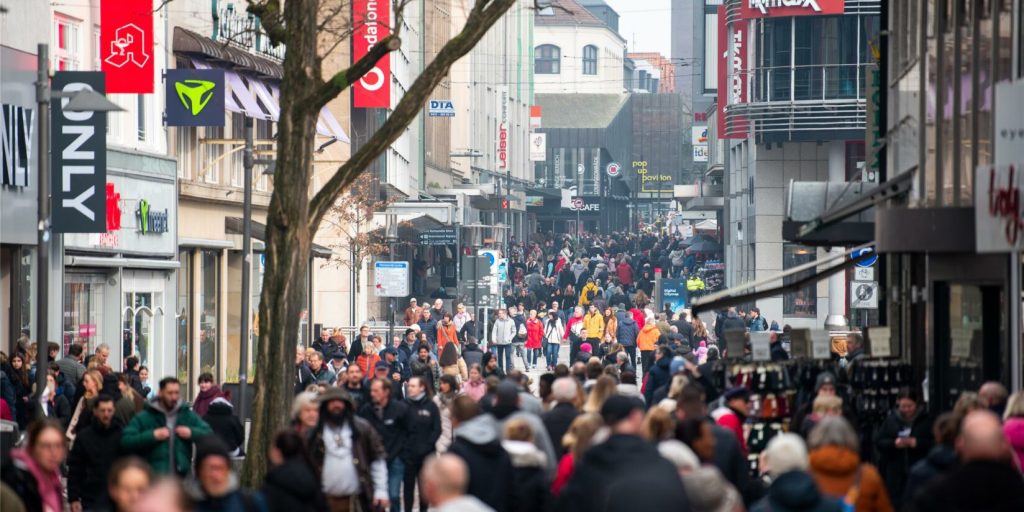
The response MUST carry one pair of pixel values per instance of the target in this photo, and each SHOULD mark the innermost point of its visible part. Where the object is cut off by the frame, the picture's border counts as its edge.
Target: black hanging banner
(78, 174)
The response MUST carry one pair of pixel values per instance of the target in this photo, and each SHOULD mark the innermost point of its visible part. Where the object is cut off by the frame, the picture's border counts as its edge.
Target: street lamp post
(392, 237)
(248, 161)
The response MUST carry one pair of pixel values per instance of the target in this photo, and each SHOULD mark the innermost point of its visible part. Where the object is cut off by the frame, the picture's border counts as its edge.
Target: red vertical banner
(126, 45)
(371, 20)
(732, 73)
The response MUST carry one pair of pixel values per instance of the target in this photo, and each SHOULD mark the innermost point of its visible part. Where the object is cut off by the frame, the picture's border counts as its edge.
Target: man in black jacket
(390, 418)
(303, 377)
(424, 430)
(610, 473)
(356, 385)
(475, 440)
(660, 374)
(557, 420)
(95, 448)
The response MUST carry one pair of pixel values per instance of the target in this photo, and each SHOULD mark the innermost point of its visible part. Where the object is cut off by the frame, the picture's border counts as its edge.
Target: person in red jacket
(734, 413)
(625, 273)
(534, 336)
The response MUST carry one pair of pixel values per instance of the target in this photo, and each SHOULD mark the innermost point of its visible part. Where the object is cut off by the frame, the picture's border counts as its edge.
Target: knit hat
(210, 446)
(677, 364)
(824, 378)
(618, 408)
(585, 347)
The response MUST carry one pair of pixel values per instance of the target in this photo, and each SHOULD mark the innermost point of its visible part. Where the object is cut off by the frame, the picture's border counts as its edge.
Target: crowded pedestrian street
(511, 256)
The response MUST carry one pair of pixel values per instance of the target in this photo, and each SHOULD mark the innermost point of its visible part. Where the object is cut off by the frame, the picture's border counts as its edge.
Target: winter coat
(138, 437)
(553, 330)
(939, 461)
(303, 378)
(573, 327)
(977, 485)
(429, 370)
(446, 334)
(627, 331)
(531, 492)
(96, 447)
(534, 333)
(412, 315)
(638, 317)
(835, 469)
(625, 273)
(729, 419)
(1013, 428)
(59, 409)
(611, 327)
(588, 293)
(392, 425)
(795, 491)
(491, 476)
(429, 326)
(894, 463)
(424, 429)
(225, 424)
(648, 338)
(557, 422)
(472, 354)
(594, 324)
(610, 473)
(327, 376)
(367, 448)
(659, 376)
(205, 398)
(442, 403)
(17, 474)
(475, 390)
(367, 362)
(503, 331)
(293, 487)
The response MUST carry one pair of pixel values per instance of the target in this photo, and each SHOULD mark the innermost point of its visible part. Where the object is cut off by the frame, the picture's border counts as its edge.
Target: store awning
(251, 96)
(830, 214)
(235, 225)
(754, 290)
(409, 229)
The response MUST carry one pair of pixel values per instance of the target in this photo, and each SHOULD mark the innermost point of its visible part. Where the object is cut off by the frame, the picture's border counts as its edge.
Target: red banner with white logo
(371, 19)
(126, 45)
(750, 9)
(732, 74)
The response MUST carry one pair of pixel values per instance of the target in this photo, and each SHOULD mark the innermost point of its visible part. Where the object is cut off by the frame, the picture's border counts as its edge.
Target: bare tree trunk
(293, 218)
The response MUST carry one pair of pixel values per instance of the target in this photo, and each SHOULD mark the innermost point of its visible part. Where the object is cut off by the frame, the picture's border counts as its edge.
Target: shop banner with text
(732, 74)
(78, 179)
(126, 45)
(750, 9)
(371, 20)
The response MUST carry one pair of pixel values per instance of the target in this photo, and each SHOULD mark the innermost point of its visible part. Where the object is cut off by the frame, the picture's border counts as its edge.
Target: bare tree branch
(344, 79)
(269, 13)
(483, 15)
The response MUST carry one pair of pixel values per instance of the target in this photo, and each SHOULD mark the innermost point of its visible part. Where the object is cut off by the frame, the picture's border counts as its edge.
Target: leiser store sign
(750, 9)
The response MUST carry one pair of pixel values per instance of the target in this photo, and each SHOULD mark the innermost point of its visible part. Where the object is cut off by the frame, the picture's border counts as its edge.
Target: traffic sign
(867, 262)
(440, 236)
(864, 295)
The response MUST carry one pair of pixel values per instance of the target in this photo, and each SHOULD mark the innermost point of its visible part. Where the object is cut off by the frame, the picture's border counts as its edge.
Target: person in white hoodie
(445, 478)
(503, 334)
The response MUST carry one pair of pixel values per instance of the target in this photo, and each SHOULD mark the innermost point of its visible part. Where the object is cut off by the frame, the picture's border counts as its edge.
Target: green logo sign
(198, 93)
(195, 97)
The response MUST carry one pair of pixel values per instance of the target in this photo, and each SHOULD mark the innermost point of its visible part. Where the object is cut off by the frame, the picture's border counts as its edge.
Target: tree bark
(293, 219)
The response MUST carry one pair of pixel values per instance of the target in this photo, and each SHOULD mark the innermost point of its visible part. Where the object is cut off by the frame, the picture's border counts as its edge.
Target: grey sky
(647, 23)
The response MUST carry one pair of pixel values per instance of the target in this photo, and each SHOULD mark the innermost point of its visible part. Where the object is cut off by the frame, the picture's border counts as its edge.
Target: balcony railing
(240, 29)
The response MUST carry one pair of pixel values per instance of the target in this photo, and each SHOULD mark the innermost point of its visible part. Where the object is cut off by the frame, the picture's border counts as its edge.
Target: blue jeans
(396, 473)
(532, 354)
(551, 355)
(504, 353)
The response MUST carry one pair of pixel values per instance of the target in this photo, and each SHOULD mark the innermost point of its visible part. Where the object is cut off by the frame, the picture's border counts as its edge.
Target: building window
(67, 43)
(83, 309)
(236, 160)
(209, 311)
(548, 60)
(184, 312)
(590, 60)
(804, 302)
(210, 154)
(141, 117)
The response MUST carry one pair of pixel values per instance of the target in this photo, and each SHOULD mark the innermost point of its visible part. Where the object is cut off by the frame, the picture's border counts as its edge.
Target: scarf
(47, 483)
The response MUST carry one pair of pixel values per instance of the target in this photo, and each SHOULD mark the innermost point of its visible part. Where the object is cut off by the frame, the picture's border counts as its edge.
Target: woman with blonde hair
(602, 390)
(658, 425)
(582, 434)
(700, 331)
(92, 382)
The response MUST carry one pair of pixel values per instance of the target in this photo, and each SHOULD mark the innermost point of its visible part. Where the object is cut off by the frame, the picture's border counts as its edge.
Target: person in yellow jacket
(593, 322)
(695, 284)
(647, 342)
(589, 293)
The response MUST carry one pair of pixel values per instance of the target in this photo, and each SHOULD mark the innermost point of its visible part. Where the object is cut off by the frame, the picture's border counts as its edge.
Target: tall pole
(243, 353)
(579, 193)
(43, 227)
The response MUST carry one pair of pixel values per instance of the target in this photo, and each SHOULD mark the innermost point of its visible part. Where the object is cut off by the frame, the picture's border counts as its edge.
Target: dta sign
(79, 154)
(441, 108)
(372, 20)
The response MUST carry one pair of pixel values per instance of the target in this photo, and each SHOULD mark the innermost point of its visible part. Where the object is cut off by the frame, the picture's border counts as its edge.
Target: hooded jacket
(627, 331)
(528, 465)
(594, 324)
(491, 475)
(503, 331)
(835, 469)
(648, 338)
(795, 491)
(610, 473)
(659, 376)
(220, 416)
(588, 293)
(534, 333)
(939, 461)
(172, 455)
(205, 398)
(96, 447)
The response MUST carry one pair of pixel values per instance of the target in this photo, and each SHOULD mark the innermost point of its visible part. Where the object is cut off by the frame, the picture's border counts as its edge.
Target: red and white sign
(86, 330)
(126, 45)
(372, 19)
(503, 128)
(750, 9)
(732, 76)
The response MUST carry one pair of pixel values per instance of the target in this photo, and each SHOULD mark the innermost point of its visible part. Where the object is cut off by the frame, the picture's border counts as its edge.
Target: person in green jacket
(163, 432)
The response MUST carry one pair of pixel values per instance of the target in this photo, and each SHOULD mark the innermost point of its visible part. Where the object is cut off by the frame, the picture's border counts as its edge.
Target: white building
(576, 52)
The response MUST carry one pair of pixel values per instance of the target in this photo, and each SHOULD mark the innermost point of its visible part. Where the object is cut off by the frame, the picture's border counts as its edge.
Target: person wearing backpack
(838, 470)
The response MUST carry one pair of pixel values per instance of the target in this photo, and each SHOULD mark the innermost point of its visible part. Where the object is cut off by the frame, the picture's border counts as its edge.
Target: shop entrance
(142, 314)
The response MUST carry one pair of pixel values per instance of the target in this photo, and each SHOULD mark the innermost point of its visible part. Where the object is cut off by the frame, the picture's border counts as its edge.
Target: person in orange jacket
(647, 342)
(368, 360)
